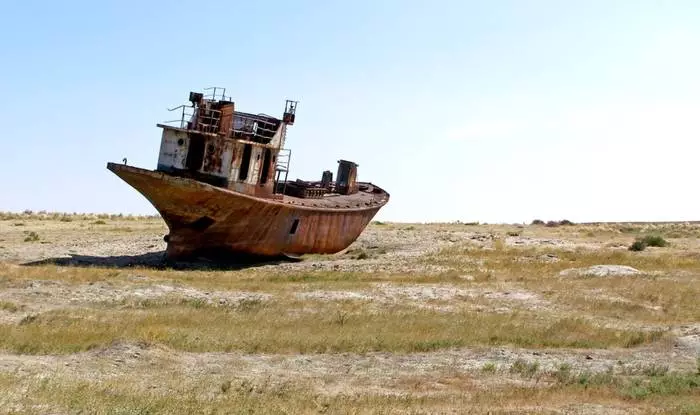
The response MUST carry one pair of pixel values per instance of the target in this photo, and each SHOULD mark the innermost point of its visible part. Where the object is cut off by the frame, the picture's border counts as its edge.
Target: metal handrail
(254, 119)
(182, 117)
(211, 121)
(251, 125)
(213, 94)
(284, 158)
(208, 120)
(254, 133)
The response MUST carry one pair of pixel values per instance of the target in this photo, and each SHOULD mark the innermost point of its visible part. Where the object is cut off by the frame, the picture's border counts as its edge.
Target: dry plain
(412, 318)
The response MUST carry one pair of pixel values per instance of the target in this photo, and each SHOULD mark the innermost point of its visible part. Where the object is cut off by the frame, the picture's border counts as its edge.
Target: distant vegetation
(642, 242)
(69, 217)
(552, 223)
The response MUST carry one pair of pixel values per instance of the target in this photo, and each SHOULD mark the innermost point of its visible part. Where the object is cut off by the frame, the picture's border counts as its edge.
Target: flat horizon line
(29, 213)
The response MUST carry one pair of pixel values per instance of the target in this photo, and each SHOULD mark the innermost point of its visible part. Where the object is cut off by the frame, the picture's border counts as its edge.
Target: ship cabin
(214, 143)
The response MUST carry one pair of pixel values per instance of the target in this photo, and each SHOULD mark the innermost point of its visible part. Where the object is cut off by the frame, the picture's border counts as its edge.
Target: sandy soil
(391, 249)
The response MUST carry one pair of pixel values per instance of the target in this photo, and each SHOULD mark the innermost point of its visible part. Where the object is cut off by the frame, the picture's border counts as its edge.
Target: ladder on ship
(282, 166)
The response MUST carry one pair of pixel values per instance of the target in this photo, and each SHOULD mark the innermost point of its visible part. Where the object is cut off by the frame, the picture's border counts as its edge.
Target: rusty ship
(221, 185)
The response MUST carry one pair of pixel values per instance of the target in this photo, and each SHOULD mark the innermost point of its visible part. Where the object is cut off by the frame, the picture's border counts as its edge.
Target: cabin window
(295, 225)
(265, 166)
(245, 162)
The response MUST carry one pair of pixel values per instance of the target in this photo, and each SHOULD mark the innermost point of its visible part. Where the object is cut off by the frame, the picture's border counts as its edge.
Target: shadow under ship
(221, 186)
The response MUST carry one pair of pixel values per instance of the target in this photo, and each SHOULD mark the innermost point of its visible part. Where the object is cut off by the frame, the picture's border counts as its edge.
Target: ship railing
(251, 119)
(217, 94)
(251, 125)
(185, 116)
(284, 157)
(207, 120)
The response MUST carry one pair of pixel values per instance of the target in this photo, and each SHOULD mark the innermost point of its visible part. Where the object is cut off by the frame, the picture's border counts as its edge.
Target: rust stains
(245, 224)
(213, 156)
(347, 174)
(219, 185)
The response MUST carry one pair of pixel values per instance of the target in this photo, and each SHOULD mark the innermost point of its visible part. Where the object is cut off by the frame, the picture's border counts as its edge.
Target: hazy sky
(496, 111)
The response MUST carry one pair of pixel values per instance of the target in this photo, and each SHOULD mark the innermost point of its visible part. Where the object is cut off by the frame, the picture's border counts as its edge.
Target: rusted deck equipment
(219, 187)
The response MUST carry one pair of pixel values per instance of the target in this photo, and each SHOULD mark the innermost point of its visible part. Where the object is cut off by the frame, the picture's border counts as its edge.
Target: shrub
(525, 369)
(489, 367)
(32, 237)
(226, 386)
(637, 246)
(551, 224)
(565, 222)
(563, 374)
(359, 253)
(537, 222)
(649, 240)
(654, 240)
(655, 370)
(8, 306)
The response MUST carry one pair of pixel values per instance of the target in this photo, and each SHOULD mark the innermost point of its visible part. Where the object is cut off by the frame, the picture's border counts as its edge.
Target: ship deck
(370, 196)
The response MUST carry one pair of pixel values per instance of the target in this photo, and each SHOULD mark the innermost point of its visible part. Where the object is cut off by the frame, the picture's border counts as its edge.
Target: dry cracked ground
(412, 318)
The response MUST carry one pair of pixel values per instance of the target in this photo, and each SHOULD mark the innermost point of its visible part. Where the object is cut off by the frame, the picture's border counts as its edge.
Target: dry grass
(296, 326)
(251, 279)
(505, 263)
(666, 394)
(640, 299)
(48, 315)
(665, 292)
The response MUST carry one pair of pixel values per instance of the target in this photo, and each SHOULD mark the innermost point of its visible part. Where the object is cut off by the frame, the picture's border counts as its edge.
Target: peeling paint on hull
(202, 217)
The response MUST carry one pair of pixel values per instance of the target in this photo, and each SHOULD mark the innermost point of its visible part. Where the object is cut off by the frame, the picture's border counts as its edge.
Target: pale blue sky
(496, 111)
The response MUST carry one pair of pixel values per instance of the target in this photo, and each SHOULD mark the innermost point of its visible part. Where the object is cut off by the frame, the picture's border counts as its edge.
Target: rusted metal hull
(202, 218)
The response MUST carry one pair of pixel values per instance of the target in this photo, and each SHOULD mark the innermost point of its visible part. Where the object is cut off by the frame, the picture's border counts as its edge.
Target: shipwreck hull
(205, 218)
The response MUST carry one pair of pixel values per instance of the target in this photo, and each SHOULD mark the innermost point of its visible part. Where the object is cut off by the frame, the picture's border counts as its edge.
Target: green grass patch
(10, 306)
